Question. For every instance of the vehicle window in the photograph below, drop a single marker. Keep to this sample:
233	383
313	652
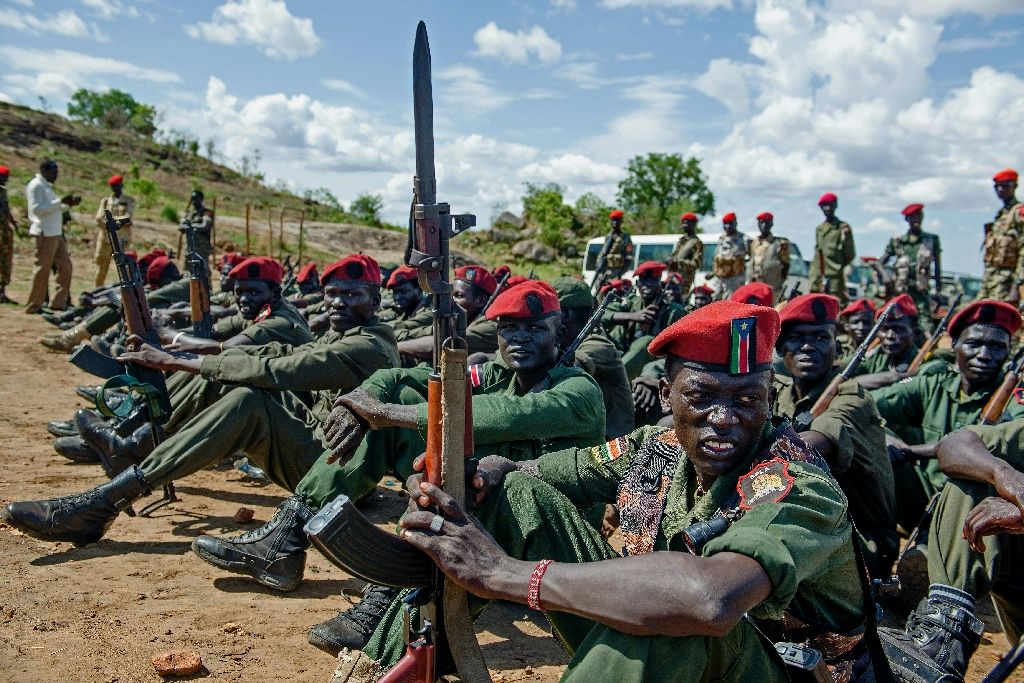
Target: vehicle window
709	256
797	265
653	252
971	285
591	261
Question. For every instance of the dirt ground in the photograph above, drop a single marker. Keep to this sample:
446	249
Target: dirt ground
98	614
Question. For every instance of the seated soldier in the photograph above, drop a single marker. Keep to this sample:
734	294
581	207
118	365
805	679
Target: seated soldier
702	296
413	317
887	363
307	280
261	408
733	528
856	320
757	293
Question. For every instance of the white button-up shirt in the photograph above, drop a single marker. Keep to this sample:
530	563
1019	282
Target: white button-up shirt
44	208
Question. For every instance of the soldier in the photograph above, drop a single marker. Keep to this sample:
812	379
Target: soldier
45	211
757	293
833	251
916	259
674	292
1004	238
688	255
730	263
702	296
616	256
888	362
414	318
122	207
769	255
200	218
472	288
8	226
858	318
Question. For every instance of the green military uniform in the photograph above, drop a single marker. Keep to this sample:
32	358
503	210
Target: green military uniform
934	404
599	358
281	323
482	336
833	242
877	360
629	337
6	239
914	257
257	401
686	259
615	257
569	412
769	261
802	540
419	324
1004	268
730	264
122	207
860	462
202	221
996	571
102	318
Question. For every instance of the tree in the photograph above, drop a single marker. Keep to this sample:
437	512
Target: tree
657	185
366	207
544	208
591	215
113	109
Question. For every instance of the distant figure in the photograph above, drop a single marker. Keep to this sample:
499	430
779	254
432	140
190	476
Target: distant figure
200	218
915	260
833	251
688	254
1004	268
7	227
769	255
730	264
45	211
121	206
616	255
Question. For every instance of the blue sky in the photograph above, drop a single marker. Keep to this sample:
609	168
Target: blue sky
885	102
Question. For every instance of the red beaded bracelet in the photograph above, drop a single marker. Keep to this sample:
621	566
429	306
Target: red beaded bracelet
533	595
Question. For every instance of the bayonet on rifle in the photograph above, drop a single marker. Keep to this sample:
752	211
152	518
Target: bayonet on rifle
569	355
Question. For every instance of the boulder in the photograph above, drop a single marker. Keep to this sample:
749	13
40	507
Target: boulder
532	250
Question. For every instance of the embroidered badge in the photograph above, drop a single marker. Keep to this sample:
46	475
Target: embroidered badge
769	482
608	452
743	351
263	314
476	377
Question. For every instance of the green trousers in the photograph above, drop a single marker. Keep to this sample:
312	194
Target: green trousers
530	520
916	483
995	572
101	319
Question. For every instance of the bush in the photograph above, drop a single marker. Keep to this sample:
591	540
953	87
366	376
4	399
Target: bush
366	208
144	190
170	214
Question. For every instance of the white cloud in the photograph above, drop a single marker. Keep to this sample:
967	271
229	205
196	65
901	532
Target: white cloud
939	9
466	89
727	81
667	4
968	43
572	170
111	9
266	24
650	118
338	85
23	3
634	56
64	23
517	47
583	74
565	5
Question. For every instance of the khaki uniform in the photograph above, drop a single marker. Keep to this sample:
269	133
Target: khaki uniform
913	265
833	240
730	265
1004	268
616	256
599	358
686	259
202	221
769	261
120	208
6	240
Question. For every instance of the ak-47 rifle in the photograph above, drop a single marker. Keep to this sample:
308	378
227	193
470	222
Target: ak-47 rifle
198	285
645	329
803	420
339	530
497	290
997	402
569	355
925	352
794	292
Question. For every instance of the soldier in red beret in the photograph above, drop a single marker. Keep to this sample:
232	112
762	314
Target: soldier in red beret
856	320
897	345
161	272
769	255
833	251
757	293
616	255
688	254
729	266
915	259
1004	267
122	207
702	296
413	317
8	226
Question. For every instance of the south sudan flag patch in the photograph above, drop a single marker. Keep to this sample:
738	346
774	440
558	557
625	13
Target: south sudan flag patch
743	346
769	482
611	450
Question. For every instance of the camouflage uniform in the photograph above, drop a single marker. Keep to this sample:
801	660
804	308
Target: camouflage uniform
730	265
833	242
202	221
913	269
1004	269
6	240
119	207
686	259
769	261
616	256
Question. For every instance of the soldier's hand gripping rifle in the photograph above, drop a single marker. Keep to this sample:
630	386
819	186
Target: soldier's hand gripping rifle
339	530
569	355
997	402
925	352
198	285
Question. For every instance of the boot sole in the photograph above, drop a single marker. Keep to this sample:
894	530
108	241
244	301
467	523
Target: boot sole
262	576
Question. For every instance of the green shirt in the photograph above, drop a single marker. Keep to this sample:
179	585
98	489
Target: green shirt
169	294
1005	441
419	324
284	324
482	336
599	358
834	240
619	332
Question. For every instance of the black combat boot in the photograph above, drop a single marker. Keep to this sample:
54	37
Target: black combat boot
82	518
88	392
61	428
116	453
352	628
75	449
274	554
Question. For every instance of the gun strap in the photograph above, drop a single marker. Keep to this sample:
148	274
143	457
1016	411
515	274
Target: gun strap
147	392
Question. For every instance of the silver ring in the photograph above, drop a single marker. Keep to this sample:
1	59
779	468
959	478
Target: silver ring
435	523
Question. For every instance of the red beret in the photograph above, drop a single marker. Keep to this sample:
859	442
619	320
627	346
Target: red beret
155	269
905	307
353	268
500	272
811	308
477	275
307	272
147	258
231	258
1005	176
703	289
986	312
616	213
688	216
827	197
754	293
650	269
858	306
531	299
132	254
765	216
724	336
402	274
514	280
729	217
258	268
157	251
674	278
618	284
4	170
115	180
911	209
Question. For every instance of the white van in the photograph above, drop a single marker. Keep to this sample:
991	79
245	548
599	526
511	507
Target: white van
659	248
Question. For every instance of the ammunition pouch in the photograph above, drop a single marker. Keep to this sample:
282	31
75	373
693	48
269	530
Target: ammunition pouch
728	267
1001	250
615	261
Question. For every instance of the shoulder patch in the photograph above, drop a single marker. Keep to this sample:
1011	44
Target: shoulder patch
263	314
607	452
769	482
476	375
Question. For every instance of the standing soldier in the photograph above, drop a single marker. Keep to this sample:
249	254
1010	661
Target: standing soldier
917	260
769	255
200	218
1004	269
121	206
688	255
730	264
616	255
7	227
833	251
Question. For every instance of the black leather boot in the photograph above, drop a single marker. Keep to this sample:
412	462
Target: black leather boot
75	449
116	453
274	554
352	628
82	518
61	428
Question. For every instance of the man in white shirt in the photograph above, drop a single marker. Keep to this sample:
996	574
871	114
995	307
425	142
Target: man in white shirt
45	211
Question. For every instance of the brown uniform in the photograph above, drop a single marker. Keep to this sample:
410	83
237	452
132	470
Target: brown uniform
1004	268
769	261
120	207
686	259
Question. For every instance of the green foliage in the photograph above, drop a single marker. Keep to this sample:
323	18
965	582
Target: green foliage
322	195
143	190
133	172
544	208
366	208
114	109
170	214
592	215
658	186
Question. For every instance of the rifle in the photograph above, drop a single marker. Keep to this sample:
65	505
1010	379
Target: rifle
794	292
925	352
339	530
997	402
602	265
569	355
198	285
659	301
497	290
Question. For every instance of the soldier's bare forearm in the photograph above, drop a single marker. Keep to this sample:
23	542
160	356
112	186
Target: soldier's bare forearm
963	455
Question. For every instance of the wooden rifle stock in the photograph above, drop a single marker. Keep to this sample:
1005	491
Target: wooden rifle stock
997	402
822	404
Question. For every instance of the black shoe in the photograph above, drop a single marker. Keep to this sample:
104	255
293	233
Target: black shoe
88	392
4	299
274	554
75	449
82	518
352	628
61	428
116	453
